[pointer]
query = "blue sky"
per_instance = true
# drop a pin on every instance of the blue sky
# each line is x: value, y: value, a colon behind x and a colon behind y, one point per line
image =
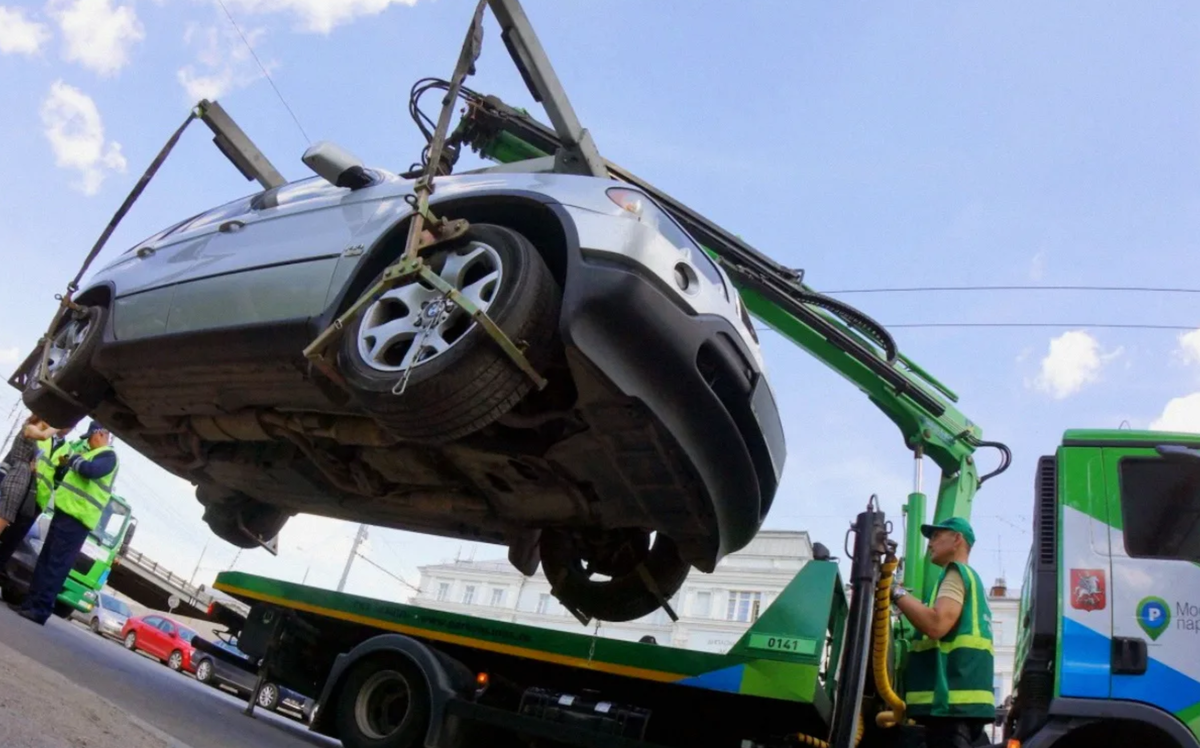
x: 876, y: 146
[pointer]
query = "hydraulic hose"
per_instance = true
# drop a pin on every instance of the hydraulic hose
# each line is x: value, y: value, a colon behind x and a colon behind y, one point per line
x: 881, y: 642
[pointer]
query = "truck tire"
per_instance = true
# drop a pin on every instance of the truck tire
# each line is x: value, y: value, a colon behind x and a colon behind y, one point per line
x: 459, y: 380
x: 384, y: 703
x: 620, y: 598
x: 70, y: 365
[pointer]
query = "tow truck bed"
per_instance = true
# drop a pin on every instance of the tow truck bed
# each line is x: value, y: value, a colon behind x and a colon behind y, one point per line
x: 562, y: 687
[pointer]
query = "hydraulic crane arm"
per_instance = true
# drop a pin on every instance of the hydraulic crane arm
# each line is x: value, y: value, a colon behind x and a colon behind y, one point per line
x: 841, y: 337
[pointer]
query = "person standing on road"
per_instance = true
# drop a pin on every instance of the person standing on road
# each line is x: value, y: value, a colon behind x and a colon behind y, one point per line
x: 18, y: 467
x: 79, y: 500
x: 948, y: 682
x: 44, y: 477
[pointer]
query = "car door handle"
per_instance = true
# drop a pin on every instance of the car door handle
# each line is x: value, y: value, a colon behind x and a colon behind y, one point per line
x: 144, y: 252
x: 231, y: 226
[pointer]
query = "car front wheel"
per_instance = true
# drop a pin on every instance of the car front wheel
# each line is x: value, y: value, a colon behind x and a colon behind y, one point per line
x: 69, y: 368
x: 268, y: 696
x: 204, y: 671
x: 456, y: 378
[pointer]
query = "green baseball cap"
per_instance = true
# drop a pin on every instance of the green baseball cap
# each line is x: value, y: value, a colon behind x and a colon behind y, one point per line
x: 954, y: 524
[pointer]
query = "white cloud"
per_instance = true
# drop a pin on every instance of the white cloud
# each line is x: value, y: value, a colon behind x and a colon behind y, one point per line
x: 1181, y: 414
x: 19, y: 35
x: 223, y: 63
x: 1189, y: 347
x: 320, y: 16
x: 1037, y: 267
x: 97, y: 35
x: 76, y: 134
x: 1074, y: 361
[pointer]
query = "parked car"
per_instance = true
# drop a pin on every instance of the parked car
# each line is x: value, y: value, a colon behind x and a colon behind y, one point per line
x: 107, y: 618
x: 239, y: 673
x: 160, y: 637
x: 656, y: 445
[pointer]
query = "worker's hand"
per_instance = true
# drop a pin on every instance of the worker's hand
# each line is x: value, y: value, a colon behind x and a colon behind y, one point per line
x: 898, y: 591
x: 62, y: 459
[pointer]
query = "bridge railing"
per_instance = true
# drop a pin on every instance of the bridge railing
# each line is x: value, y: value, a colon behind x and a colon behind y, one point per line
x: 186, y: 591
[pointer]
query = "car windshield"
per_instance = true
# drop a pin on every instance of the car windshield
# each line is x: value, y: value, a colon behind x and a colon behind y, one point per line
x: 116, y: 606
x: 112, y: 521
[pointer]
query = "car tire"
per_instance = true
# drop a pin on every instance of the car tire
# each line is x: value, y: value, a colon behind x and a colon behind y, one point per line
x: 360, y: 721
x: 221, y: 514
x: 620, y: 598
x: 204, y: 672
x: 76, y: 340
x: 175, y: 661
x: 471, y: 381
x: 94, y: 625
x: 131, y: 641
x: 268, y: 697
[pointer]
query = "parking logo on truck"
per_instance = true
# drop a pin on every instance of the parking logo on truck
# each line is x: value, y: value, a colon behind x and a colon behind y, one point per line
x: 1154, y: 615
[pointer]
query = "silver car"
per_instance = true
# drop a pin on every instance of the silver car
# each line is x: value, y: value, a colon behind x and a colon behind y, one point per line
x: 107, y: 617
x: 655, y: 447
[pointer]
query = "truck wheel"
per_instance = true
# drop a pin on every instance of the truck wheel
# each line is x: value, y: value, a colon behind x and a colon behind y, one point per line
x: 460, y: 379
x: 70, y: 369
x: 623, y: 595
x: 383, y: 704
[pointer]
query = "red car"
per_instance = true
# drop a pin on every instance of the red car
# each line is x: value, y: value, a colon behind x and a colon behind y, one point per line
x: 163, y: 638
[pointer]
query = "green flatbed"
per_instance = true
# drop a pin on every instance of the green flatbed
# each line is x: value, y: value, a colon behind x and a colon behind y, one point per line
x: 776, y: 671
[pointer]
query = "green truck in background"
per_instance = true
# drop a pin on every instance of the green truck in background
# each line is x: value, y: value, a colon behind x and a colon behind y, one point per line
x: 92, y: 566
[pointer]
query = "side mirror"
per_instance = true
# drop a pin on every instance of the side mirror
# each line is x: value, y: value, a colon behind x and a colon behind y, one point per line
x: 336, y: 165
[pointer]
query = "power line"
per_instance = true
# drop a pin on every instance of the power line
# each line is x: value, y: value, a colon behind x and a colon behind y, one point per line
x: 264, y: 71
x: 1094, y: 325
x: 401, y: 580
x: 1105, y: 289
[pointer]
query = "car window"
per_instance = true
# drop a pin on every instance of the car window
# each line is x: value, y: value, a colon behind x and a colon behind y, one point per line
x: 166, y: 627
x: 152, y: 621
x: 187, y: 634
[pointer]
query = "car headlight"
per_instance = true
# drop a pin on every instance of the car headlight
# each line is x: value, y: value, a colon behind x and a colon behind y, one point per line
x: 89, y: 596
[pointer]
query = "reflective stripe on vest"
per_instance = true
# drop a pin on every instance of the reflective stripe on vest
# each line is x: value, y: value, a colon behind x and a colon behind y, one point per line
x: 84, y: 498
x: 953, y: 676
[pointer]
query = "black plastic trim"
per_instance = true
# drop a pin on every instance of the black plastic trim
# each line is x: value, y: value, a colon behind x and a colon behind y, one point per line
x: 1131, y: 711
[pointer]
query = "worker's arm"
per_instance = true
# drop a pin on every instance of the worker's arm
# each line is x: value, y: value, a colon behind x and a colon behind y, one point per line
x: 97, y: 467
x: 933, y: 622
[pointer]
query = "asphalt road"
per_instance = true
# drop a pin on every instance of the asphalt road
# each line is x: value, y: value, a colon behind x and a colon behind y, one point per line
x: 195, y: 715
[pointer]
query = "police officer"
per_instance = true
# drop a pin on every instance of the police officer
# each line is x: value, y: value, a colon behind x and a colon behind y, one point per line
x: 948, y: 682
x: 79, y: 500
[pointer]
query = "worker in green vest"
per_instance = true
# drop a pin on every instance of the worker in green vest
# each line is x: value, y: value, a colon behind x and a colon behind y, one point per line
x: 949, y: 678
x: 79, y: 500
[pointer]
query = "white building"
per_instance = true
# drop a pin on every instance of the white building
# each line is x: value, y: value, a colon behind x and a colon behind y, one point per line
x: 714, y: 609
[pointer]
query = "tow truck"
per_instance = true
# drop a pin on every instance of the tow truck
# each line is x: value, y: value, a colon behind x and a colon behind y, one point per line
x: 1105, y: 655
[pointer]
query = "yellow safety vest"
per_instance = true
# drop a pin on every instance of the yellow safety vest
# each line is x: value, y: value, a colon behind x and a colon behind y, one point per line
x: 84, y: 498
x: 47, y: 465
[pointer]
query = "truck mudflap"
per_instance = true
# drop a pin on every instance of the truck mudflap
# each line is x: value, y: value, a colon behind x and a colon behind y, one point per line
x: 446, y: 678
x: 1068, y: 715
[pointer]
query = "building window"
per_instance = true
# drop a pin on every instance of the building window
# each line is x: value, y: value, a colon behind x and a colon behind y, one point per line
x: 743, y: 606
x: 443, y: 591
x: 497, y: 598
x: 469, y: 594
x: 997, y: 688
x: 702, y: 605
x: 543, y: 604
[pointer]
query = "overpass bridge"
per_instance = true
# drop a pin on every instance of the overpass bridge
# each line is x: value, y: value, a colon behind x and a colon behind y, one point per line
x: 151, y: 584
